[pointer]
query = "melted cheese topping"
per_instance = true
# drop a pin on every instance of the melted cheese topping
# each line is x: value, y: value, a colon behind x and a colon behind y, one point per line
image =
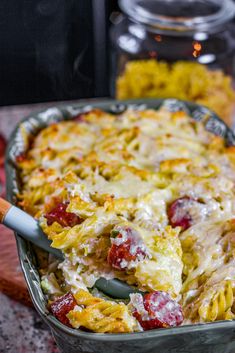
x: 125, y: 171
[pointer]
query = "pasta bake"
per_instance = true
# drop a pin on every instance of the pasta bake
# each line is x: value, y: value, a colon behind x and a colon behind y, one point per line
x: 146, y: 197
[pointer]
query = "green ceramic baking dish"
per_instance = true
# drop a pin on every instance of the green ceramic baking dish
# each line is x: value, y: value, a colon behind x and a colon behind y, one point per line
x: 218, y: 337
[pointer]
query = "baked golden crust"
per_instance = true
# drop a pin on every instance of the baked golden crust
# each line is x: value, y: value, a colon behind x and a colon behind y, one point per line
x: 123, y: 172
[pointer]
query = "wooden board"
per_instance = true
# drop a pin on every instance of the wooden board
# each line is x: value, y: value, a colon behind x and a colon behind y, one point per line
x: 12, y: 281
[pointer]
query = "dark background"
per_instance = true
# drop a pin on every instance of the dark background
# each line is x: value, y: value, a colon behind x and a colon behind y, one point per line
x: 53, y: 49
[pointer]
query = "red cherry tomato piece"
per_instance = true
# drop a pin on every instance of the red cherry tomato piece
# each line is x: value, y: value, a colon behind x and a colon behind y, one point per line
x: 126, y: 247
x: 61, y: 216
x: 62, y: 306
x: 162, y: 311
x: 179, y: 212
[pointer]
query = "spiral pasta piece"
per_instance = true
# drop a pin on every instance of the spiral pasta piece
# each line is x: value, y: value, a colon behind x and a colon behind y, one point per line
x: 100, y: 316
x: 213, y: 303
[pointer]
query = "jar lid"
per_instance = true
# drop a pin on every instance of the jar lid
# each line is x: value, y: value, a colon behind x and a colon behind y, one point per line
x: 180, y: 15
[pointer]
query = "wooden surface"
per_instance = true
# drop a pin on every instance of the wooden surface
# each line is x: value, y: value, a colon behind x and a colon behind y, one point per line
x: 12, y: 282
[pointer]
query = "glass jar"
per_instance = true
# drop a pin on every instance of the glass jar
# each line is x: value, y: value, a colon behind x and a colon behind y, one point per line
x: 167, y: 48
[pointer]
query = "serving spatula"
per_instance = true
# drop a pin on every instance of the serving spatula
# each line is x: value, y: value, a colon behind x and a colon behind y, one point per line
x: 28, y: 228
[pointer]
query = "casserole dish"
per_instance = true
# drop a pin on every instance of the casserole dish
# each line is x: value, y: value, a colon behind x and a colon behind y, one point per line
x: 215, y: 337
